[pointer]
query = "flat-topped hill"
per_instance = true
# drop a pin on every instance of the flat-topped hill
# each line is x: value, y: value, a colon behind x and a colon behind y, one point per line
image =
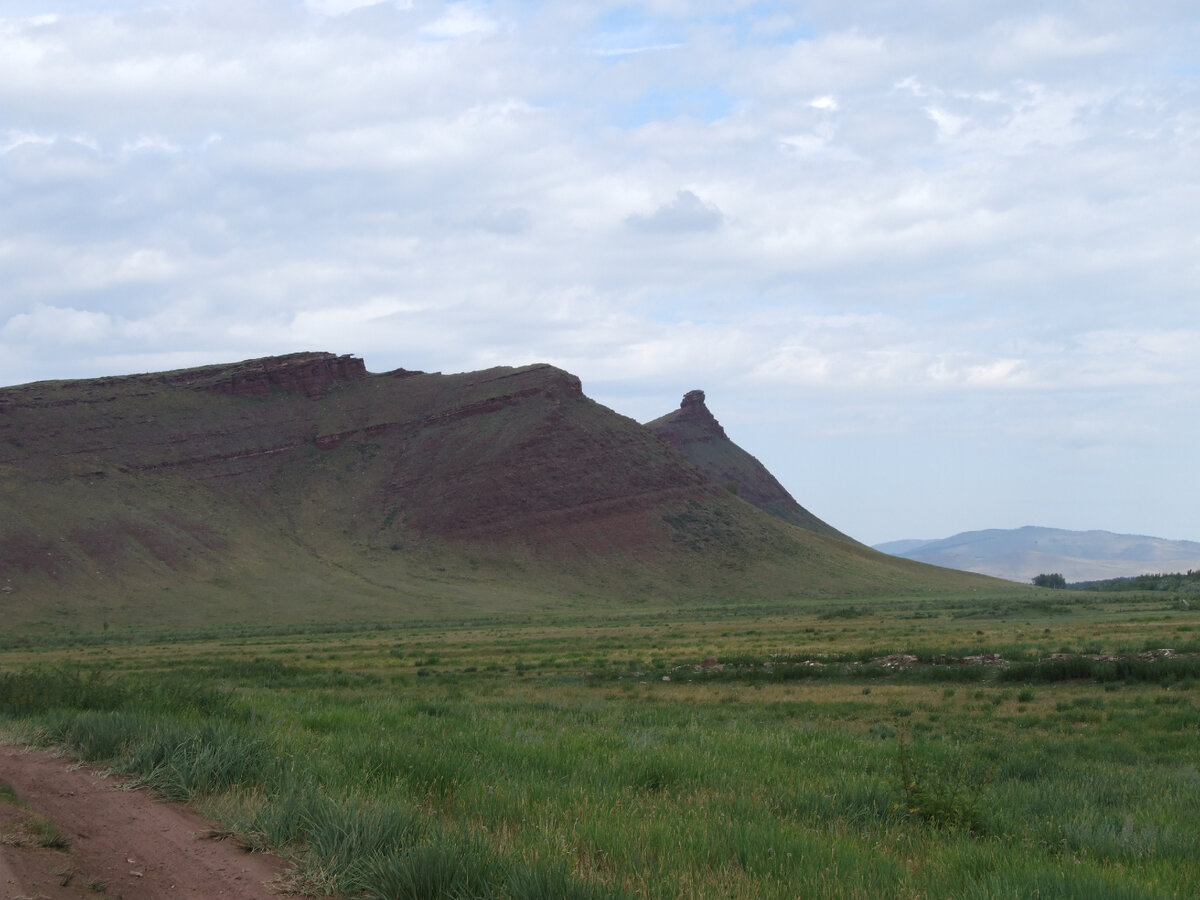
x: 304, y: 488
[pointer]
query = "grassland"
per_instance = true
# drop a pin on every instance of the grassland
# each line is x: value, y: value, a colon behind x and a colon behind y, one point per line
x: 705, y: 751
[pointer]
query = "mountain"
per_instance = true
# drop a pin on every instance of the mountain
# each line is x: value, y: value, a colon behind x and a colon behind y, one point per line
x: 304, y: 488
x: 1021, y: 553
x: 695, y: 432
x: 900, y: 548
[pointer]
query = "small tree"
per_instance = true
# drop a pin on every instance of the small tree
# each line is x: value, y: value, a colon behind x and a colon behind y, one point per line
x: 1053, y: 580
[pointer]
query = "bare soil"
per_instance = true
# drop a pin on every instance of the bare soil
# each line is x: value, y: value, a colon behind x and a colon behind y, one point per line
x: 69, y: 831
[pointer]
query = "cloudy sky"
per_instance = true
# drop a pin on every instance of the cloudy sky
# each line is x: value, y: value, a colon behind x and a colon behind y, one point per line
x: 935, y: 263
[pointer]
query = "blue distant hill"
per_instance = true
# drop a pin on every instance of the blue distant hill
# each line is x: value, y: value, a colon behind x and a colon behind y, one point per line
x: 1019, y: 554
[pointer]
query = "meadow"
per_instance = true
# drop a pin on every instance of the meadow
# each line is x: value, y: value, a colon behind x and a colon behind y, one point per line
x: 1021, y: 744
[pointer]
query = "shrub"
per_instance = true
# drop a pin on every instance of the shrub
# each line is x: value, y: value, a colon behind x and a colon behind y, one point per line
x: 944, y: 793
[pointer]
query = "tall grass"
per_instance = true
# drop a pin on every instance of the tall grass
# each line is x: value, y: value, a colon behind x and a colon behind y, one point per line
x: 1131, y: 669
x: 31, y: 691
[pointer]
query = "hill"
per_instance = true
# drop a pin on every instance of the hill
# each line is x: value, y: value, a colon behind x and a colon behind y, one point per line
x: 1019, y: 554
x: 304, y: 488
x: 695, y: 432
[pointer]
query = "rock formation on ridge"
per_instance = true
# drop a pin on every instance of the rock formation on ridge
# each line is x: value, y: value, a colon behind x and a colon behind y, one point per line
x: 308, y: 373
x: 695, y: 432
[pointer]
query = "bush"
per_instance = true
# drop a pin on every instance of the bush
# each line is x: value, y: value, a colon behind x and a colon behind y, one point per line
x: 944, y: 793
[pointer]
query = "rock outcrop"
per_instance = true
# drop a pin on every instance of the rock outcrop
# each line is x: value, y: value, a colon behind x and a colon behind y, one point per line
x: 308, y: 373
x: 694, y: 412
x: 695, y: 432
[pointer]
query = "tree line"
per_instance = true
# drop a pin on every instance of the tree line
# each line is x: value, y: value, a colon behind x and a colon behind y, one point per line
x: 1162, y: 581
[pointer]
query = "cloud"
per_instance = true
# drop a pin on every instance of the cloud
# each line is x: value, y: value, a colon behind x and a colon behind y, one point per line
x: 459, y: 20
x: 686, y: 212
x: 956, y: 219
x: 68, y: 326
x: 1046, y: 38
x: 342, y: 7
x: 628, y: 31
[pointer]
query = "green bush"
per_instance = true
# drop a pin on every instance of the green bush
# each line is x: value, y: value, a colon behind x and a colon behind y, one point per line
x: 940, y: 789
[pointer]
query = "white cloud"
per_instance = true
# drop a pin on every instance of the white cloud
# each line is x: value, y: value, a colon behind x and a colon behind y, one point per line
x: 949, y: 125
x: 950, y: 220
x: 52, y: 324
x: 459, y: 20
x: 145, y: 265
x: 149, y: 143
x: 687, y: 212
x: 847, y: 58
x: 13, y: 139
x: 633, y: 50
x: 341, y: 7
x: 1046, y: 37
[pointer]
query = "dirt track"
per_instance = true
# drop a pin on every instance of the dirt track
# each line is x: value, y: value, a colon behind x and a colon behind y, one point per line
x: 119, y: 843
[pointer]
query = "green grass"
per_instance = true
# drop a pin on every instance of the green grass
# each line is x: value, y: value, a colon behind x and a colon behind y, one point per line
x: 552, y: 759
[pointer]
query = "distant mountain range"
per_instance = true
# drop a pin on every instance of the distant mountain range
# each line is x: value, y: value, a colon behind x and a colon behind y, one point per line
x: 1019, y: 554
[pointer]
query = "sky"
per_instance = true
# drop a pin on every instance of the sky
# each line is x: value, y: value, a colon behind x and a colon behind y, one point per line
x: 935, y: 263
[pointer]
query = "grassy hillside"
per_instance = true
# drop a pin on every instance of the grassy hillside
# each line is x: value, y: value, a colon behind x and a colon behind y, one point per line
x: 294, y: 489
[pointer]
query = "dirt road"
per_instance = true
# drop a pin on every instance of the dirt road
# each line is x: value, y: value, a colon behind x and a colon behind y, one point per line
x: 67, y: 832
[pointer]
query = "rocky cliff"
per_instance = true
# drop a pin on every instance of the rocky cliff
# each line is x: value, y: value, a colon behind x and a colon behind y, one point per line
x: 695, y: 432
x: 310, y: 374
